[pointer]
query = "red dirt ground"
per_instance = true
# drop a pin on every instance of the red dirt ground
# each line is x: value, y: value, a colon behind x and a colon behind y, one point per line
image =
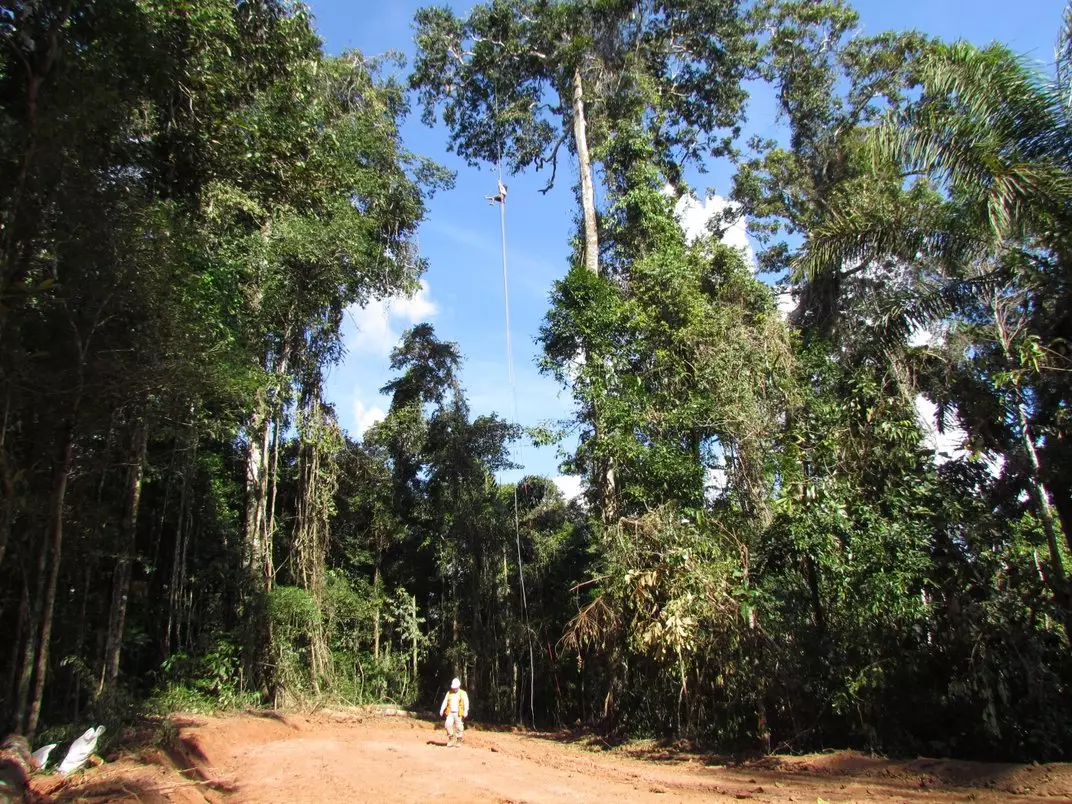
x: 365, y: 755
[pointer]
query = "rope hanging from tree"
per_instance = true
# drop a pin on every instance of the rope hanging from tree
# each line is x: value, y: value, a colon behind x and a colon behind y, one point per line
x: 500, y: 199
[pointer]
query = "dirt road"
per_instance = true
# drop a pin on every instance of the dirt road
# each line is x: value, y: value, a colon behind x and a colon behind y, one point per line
x: 363, y: 756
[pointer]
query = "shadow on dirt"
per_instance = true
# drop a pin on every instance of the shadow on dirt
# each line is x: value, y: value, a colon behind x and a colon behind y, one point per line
x: 109, y: 790
x: 666, y: 751
x: 183, y: 759
x: 270, y: 714
x: 190, y: 762
x: 836, y: 768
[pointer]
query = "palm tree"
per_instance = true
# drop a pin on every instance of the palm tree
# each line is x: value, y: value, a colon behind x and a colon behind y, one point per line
x: 976, y: 222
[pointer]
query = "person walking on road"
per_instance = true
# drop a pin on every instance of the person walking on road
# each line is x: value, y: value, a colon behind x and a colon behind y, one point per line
x: 455, y: 707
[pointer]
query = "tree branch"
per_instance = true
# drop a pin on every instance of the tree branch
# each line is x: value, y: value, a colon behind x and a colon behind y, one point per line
x: 553, y: 159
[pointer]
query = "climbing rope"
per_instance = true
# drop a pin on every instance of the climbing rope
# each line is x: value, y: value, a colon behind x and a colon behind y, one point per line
x: 500, y: 198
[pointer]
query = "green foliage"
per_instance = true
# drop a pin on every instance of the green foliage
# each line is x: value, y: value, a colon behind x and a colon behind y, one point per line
x: 192, y: 194
x: 502, y: 78
x: 294, y: 619
x: 770, y: 553
x: 210, y: 681
x: 694, y: 350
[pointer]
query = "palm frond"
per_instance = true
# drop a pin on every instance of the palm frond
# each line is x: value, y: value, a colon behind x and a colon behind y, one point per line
x: 1063, y: 59
x: 988, y: 128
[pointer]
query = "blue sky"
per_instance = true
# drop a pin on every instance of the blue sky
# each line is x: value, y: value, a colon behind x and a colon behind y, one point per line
x: 463, y: 288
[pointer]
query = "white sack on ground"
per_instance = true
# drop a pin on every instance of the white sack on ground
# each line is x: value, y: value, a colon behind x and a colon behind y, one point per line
x: 80, y: 750
x: 40, y: 756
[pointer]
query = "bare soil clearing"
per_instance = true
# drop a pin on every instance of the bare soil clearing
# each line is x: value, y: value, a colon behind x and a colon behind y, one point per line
x: 362, y: 755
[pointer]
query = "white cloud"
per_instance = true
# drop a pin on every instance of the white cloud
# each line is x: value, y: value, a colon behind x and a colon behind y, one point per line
x: 378, y: 321
x: 569, y: 485
x: 693, y: 215
x: 365, y: 417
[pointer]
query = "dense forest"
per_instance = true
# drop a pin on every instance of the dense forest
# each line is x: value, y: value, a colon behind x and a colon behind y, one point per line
x: 768, y: 553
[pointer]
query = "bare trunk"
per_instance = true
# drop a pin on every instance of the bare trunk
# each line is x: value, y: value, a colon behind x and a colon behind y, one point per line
x: 508, y: 648
x: 376, y: 608
x: 7, y: 484
x: 178, y: 569
x: 7, y: 506
x: 76, y: 685
x: 605, y: 473
x: 59, y: 494
x: 128, y: 547
x: 33, y: 620
x: 455, y: 631
x: 183, y: 627
x: 12, y: 694
x: 258, y: 554
x: 758, y: 662
x: 584, y: 164
x: 263, y: 568
x: 413, y: 638
x: 274, y: 477
x: 317, y: 482
x: 273, y: 423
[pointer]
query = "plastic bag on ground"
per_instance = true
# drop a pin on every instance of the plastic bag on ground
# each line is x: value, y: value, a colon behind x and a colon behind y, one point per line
x: 80, y: 750
x: 40, y: 756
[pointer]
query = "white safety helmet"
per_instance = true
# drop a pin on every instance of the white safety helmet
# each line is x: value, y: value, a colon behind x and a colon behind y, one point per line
x: 456, y: 684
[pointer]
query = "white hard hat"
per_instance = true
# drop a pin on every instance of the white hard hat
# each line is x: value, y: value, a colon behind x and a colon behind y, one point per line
x: 456, y: 684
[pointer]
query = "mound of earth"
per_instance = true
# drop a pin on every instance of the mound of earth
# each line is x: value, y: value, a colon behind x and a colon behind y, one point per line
x: 369, y: 755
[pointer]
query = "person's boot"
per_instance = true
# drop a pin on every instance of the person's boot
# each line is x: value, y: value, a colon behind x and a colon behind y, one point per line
x: 450, y: 741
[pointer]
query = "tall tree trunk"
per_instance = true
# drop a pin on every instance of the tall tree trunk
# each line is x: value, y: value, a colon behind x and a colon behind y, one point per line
x: 76, y: 685
x: 182, y: 530
x: 128, y: 547
x: 258, y: 552
x: 13, y: 697
x: 260, y: 475
x: 584, y: 164
x: 477, y: 631
x: 184, y: 636
x: 59, y: 495
x: 605, y: 473
x: 277, y: 415
x: 413, y: 638
x: 7, y: 484
x: 275, y: 421
x: 7, y: 506
x: 318, y: 482
x: 376, y: 603
x: 455, y: 631
x: 34, y: 616
x: 24, y: 686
